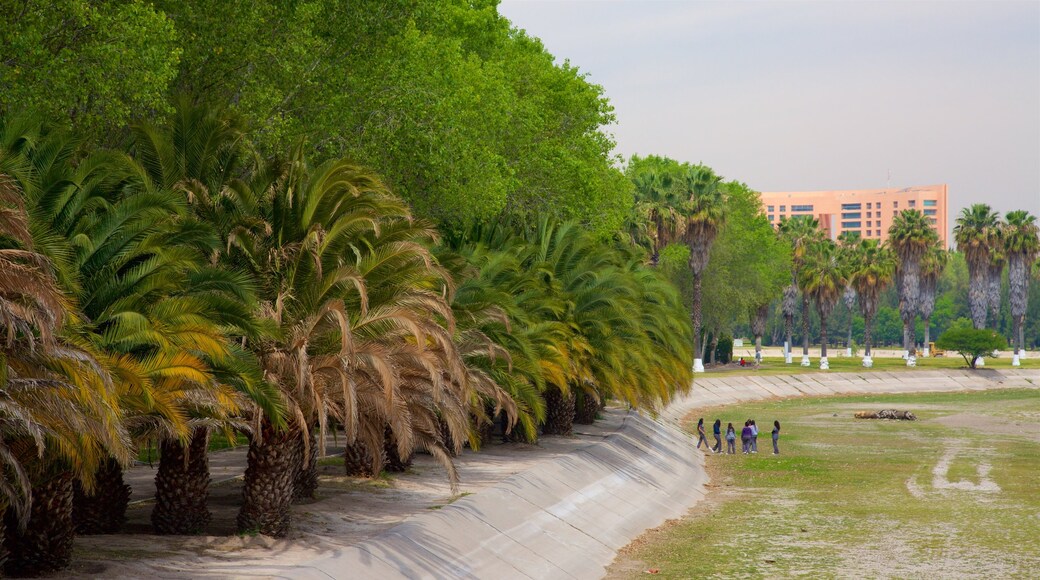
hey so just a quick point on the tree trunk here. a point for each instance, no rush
(868, 331)
(46, 543)
(695, 314)
(559, 412)
(823, 336)
(713, 350)
(104, 510)
(270, 475)
(358, 460)
(758, 348)
(182, 486)
(1021, 332)
(394, 462)
(805, 326)
(848, 342)
(977, 297)
(586, 409)
(306, 482)
(789, 333)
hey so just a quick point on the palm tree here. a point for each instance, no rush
(873, 267)
(910, 235)
(995, 275)
(703, 210)
(975, 233)
(801, 233)
(823, 279)
(932, 265)
(1022, 245)
(61, 419)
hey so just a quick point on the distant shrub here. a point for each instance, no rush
(971, 343)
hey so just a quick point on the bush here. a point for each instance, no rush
(724, 350)
(971, 343)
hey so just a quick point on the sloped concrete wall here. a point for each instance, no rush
(568, 517)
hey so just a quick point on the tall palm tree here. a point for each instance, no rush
(932, 265)
(801, 233)
(995, 275)
(704, 212)
(873, 267)
(1022, 245)
(910, 236)
(823, 277)
(758, 327)
(975, 233)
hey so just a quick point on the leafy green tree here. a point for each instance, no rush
(972, 343)
(97, 64)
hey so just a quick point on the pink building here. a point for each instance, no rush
(867, 211)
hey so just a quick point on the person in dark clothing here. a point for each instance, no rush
(776, 437)
(731, 439)
(745, 437)
(717, 431)
(702, 437)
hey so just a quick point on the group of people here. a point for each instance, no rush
(748, 437)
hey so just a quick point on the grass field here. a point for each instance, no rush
(955, 494)
(840, 363)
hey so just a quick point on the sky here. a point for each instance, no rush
(803, 96)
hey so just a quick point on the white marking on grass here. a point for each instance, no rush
(940, 475)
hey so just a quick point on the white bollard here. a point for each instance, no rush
(906, 354)
(698, 365)
(980, 363)
(787, 352)
(848, 351)
(1015, 361)
(911, 361)
(868, 362)
(805, 361)
(927, 353)
(824, 365)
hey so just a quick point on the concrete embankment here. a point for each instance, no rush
(566, 518)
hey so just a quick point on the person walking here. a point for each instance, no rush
(717, 431)
(745, 436)
(702, 437)
(776, 437)
(754, 437)
(731, 439)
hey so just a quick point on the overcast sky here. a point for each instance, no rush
(790, 96)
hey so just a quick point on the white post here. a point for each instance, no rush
(868, 362)
(1015, 361)
(698, 365)
(824, 365)
(981, 362)
(805, 361)
(848, 351)
(911, 361)
(927, 353)
(787, 352)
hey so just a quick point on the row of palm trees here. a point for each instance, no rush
(912, 257)
(184, 285)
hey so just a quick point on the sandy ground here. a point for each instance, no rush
(346, 511)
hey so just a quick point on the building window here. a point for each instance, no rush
(930, 203)
(870, 224)
(851, 216)
(783, 208)
(868, 205)
(931, 221)
(895, 204)
(801, 208)
(895, 213)
(770, 209)
(851, 206)
(770, 217)
(929, 212)
(878, 233)
(851, 225)
(913, 203)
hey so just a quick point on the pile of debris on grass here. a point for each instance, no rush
(887, 414)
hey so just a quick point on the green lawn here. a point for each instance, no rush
(776, 366)
(850, 497)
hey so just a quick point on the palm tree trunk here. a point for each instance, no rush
(714, 347)
(45, 545)
(978, 300)
(823, 343)
(805, 331)
(306, 482)
(182, 486)
(270, 475)
(358, 460)
(103, 511)
(559, 412)
(695, 314)
(848, 342)
(789, 334)
(868, 331)
(758, 348)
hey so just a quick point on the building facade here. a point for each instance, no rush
(867, 211)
